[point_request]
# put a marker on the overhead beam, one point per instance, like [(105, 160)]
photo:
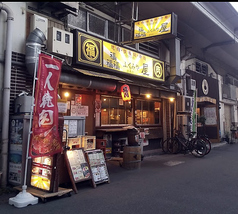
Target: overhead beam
[(229, 42)]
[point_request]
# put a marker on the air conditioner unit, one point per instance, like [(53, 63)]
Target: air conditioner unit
[(60, 42), (183, 104)]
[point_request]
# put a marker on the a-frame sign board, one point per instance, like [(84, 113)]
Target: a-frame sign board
[(98, 166), (78, 167)]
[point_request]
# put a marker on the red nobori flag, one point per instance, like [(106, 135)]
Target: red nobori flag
[(45, 138)]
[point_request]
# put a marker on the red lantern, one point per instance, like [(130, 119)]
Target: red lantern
[(125, 92)]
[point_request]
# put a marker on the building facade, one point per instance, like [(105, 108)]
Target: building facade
[(100, 63)]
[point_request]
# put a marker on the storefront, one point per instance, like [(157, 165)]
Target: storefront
[(207, 105), (99, 73)]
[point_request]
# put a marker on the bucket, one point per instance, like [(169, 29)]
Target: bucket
[(131, 157)]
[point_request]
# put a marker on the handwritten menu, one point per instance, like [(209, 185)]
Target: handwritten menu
[(98, 165)]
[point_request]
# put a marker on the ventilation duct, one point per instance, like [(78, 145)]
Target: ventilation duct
[(88, 82), (35, 40)]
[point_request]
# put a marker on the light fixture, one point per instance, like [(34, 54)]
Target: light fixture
[(66, 94), (148, 96), (171, 99)]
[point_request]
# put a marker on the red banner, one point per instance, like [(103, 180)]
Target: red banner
[(45, 140)]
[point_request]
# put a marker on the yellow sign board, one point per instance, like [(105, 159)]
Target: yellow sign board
[(130, 62), (153, 27), (89, 49)]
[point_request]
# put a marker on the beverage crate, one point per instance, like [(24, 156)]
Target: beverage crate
[(88, 142), (75, 142)]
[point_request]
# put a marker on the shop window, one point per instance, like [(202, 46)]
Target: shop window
[(148, 112), (115, 111)]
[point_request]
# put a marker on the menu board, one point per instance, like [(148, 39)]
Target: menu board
[(41, 173), (98, 166), (78, 165)]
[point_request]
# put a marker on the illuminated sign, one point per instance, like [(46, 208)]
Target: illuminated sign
[(127, 61), (125, 92), (96, 52), (42, 172), (159, 27), (88, 49)]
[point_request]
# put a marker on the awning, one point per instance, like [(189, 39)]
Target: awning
[(206, 99), (96, 74)]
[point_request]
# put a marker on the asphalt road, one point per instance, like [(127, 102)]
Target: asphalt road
[(165, 184)]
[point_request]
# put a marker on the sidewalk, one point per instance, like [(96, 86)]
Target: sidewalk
[(113, 167), (222, 143), (159, 151)]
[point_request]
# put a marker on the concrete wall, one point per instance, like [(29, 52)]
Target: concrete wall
[(18, 37)]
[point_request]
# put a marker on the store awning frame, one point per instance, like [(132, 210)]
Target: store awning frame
[(97, 74)]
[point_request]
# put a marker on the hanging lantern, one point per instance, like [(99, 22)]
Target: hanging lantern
[(125, 92)]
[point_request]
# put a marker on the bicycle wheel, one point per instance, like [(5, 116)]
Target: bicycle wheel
[(199, 148), (164, 146), (174, 146), (207, 142)]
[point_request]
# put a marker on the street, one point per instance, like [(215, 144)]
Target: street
[(164, 184)]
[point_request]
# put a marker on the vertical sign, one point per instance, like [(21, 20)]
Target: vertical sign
[(194, 112), (45, 138)]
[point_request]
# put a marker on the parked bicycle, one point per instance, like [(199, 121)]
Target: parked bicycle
[(179, 143), (204, 138), (207, 142)]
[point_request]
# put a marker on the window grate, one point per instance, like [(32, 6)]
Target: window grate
[(21, 80)]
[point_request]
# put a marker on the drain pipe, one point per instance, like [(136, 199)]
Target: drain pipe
[(6, 93)]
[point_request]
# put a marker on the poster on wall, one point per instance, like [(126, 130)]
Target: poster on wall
[(98, 106), (210, 115), (79, 110), (15, 153)]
